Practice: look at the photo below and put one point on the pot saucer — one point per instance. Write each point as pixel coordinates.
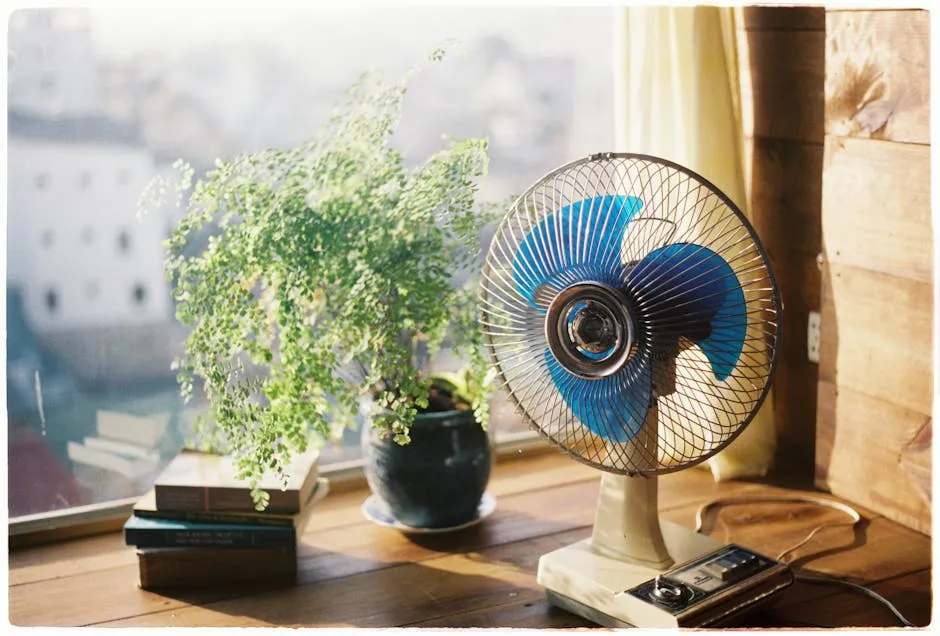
(375, 511)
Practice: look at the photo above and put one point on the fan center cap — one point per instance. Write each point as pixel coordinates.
(589, 329)
(593, 329)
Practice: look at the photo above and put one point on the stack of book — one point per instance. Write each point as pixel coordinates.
(198, 526)
(121, 458)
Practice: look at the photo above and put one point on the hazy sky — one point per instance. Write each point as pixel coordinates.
(136, 26)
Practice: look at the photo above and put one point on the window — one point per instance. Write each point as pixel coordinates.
(139, 294)
(107, 347)
(47, 83)
(52, 300)
(124, 242)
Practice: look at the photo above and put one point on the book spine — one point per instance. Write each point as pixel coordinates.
(280, 502)
(191, 498)
(155, 579)
(201, 516)
(210, 568)
(255, 538)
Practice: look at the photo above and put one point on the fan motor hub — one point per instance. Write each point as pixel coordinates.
(593, 329)
(590, 330)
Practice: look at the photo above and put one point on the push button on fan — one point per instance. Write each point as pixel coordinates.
(734, 566)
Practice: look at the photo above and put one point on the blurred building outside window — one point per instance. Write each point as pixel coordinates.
(100, 101)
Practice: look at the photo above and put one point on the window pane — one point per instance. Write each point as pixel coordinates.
(101, 101)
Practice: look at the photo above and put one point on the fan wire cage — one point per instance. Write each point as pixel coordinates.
(631, 313)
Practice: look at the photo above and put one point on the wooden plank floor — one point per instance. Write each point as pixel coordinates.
(353, 573)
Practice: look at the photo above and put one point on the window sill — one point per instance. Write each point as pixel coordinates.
(109, 516)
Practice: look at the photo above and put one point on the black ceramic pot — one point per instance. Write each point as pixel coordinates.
(436, 480)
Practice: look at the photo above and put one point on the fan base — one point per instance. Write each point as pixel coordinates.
(615, 593)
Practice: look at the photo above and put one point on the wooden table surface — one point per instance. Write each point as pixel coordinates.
(354, 573)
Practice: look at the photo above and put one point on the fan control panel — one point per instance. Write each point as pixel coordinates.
(728, 572)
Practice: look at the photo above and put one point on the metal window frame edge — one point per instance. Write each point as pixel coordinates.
(109, 516)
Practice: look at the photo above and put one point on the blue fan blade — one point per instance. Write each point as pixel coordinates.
(582, 241)
(605, 406)
(689, 290)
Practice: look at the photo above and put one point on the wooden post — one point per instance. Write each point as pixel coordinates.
(781, 67)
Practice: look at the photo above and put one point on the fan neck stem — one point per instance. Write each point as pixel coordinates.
(626, 526)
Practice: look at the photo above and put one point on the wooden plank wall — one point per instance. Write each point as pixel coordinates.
(781, 71)
(875, 377)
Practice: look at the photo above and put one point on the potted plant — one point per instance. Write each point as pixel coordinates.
(436, 480)
(326, 279)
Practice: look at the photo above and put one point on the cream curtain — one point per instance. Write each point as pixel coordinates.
(679, 97)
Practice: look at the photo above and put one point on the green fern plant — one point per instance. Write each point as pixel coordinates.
(330, 266)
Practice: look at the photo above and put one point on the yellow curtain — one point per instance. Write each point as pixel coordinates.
(679, 97)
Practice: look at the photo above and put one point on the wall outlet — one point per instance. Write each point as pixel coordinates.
(813, 336)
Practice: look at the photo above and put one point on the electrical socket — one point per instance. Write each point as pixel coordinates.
(813, 336)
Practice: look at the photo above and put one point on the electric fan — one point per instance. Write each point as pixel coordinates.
(632, 316)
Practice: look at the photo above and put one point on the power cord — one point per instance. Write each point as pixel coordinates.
(800, 576)
(826, 580)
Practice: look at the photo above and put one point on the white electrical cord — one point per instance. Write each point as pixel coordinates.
(817, 501)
